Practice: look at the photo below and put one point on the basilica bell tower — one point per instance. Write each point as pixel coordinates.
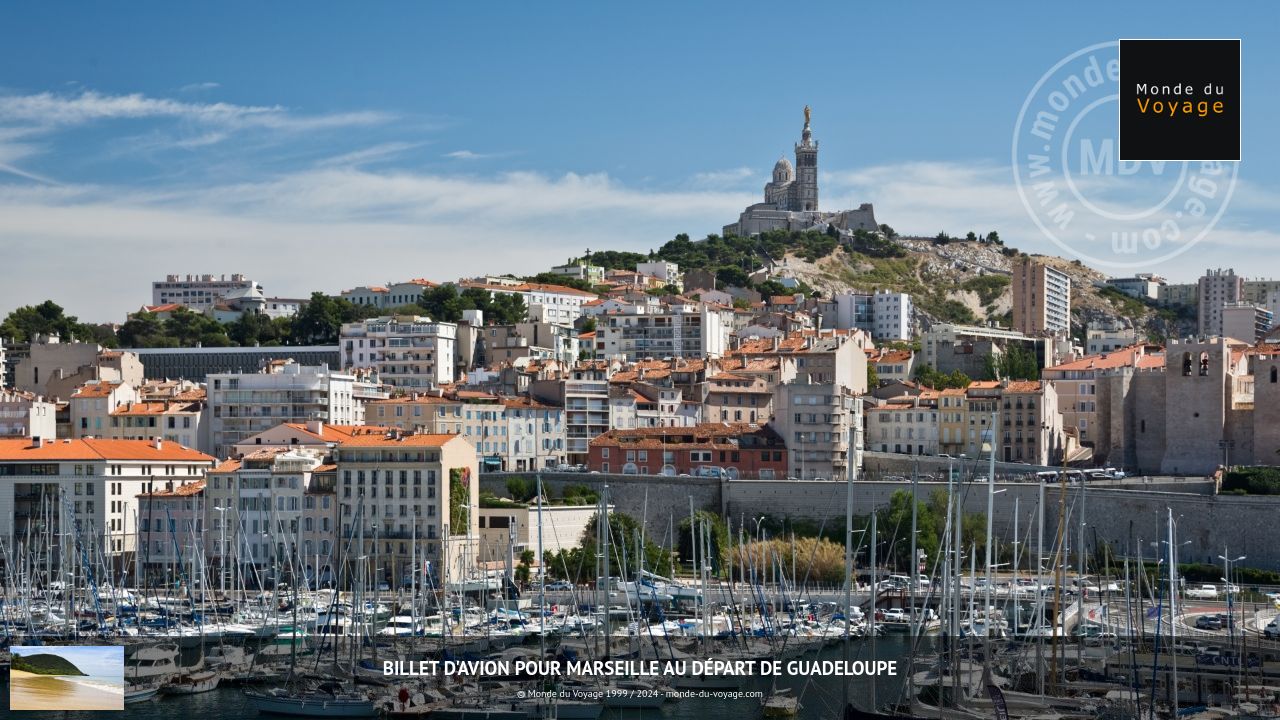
(806, 182)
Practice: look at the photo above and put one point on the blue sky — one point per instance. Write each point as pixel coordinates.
(107, 661)
(323, 146)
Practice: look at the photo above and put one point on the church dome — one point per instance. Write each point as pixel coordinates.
(782, 171)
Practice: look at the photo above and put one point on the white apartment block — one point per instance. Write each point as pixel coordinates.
(405, 351)
(245, 404)
(691, 330)
(198, 292)
(255, 509)
(508, 433)
(667, 272)
(505, 533)
(89, 484)
(891, 313)
(24, 414)
(391, 295)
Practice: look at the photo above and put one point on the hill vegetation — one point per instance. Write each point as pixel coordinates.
(45, 664)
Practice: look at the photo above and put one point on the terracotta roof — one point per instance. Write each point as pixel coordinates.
(324, 468)
(1124, 357)
(227, 466)
(340, 433)
(1023, 386)
(183, 490)
(894, 356)
(153, 408)
(166, 307)
(703, 435)
(95, 390)
(397, 440)
(98, 449)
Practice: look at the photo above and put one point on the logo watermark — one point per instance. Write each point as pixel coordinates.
(1082, 196)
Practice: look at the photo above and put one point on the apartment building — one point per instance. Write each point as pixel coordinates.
(1245, 321)
(405, 351)
(51, 486)
(391, 295)
(508, 433)
(817, 421)
(255, 515)
(171, 527)
(1215, 290)
(584, 394)
(242, 405)
(690, 330)
(1041, 298)
(24, 414)
(494, 346)
(819, 356)
(55, 369)
(732, 450)
(1030, 427)
(737, 398)
(907, 424)
(198, 292)
(393, 487)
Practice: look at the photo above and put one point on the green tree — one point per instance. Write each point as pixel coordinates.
(719, 539)
(141, 330)
(188, 328)
(320, 321)
(47, 318)
(873, 377)
(894, 528)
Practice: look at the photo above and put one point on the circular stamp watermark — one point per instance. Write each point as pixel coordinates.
(1082, 196)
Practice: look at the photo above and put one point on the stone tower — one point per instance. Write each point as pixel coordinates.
(805, 187)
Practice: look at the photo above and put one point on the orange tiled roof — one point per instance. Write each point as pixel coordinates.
(98, 449)
(183, 490)
(1023, 386)
(1124, 357)
(397, 440)
(153, 408)
(95, 390)
(227, 466)
(340, 433)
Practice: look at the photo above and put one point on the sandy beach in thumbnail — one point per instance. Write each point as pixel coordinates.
(28, 691)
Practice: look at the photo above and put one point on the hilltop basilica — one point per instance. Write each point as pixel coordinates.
(791, 198)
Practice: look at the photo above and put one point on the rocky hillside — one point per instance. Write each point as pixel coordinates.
(968, 282)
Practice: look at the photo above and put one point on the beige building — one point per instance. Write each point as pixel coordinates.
(1041, 298)
(506, 532)
(817, 422)
(1216, 289)
(1030, 424)
(395, 486)
(738, 398)
(1083, 402)
(55, 369)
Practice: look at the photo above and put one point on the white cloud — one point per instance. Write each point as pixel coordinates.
(365, 156)
(198, 87)
(50, 110)
(732, 179)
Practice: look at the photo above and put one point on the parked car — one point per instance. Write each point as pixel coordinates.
(1272, 630)
(895, 615)
(1208, 622)
(559, 585)
(1204, 592)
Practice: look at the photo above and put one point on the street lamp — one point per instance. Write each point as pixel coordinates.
(1226, 579)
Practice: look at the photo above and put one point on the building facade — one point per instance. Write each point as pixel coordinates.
(245, 404)
(405, 351)
(1041, 298)
(198, 292)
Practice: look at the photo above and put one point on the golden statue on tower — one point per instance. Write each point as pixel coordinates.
(806, 114)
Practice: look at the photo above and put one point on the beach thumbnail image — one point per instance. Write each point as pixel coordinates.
(66, 678)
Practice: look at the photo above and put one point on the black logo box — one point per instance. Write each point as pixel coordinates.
(1187, 68)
